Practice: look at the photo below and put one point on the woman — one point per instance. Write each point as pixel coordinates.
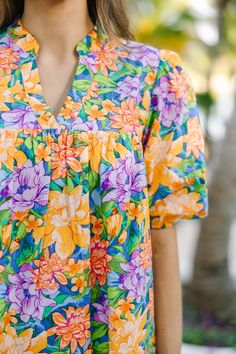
(101, 152)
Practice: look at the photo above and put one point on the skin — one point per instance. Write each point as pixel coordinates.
(58, 27)
(167, 291)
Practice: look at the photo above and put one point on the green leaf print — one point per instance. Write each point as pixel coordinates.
(21, 231)
(133, 242)
(3, 307)
(5, 273)
(82, 85)
(4, 216)
(99, 331)
(163, 68)
(95, 293)
(115, 294)
(59, 300)
(70, 184)
(106, 81)
(114, 264)
(101, 348)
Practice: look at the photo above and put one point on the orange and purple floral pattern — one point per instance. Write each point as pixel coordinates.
(80, 192)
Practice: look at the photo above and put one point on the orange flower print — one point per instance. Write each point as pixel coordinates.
(8, 60)
(145, 255)
(73, 329)
(194, 138)
(80, 283)
(74, 268)
(108, 105)
(92, 91)
(42, 153)
(32, 223)
(49, 271)
(65, 155)
(97, 225)
(179, 84)
(136, 212)
(126, 116)
(95, 113)
(106, 57)
(125, 306)
(71, 108)
(99, 260)
(9, 317)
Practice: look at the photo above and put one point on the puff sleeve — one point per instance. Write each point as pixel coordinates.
(174, 150)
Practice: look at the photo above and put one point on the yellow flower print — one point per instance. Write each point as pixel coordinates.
(7, 149)
(6, 235)
(27, 41)
(161, 155)
(67, 214)
(128, 334)
(172, 57)
(150, 78)
(180, 203)
(114, 223)
(31, 78)
(11, 343)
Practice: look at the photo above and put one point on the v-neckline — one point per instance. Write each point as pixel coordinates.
(28, 43)
(68, 96)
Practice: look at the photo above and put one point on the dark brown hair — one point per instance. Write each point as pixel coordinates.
(110, 15)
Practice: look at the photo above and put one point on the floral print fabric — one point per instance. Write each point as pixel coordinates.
(80, 192)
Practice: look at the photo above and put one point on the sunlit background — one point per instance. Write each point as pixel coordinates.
(203, 33)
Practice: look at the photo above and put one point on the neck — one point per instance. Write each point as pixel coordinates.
(57, 25)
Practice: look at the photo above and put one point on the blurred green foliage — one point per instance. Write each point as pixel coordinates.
(203, 33)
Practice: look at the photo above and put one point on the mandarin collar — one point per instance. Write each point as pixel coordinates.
(27, 42)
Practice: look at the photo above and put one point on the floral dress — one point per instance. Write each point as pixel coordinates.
(80, 192)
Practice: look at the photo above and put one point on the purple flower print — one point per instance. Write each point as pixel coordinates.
(30, 185)
(19, 118)
(102, 308)
(135, 280)
(130, 87)
(24, 297)
(171, 109)
(145, 54)
(123, 180)
(91, 61)
(79, 124)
